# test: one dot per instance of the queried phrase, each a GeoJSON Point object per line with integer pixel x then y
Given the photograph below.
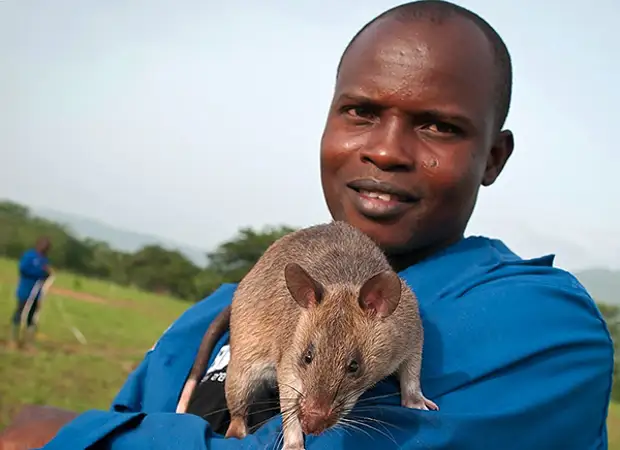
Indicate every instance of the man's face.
{"type": "Point", "coordinates": [43, 246]}
{"type": "Point", "coordinates": [411, 133]}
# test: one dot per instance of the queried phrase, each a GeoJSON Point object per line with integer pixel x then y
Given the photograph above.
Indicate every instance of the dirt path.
{"type": "Point", "coordinates": [83, 296]}
{"type": "Point", "coordinates": [115, 302]}
{"type": "Point", "coordinates": [122, 303]}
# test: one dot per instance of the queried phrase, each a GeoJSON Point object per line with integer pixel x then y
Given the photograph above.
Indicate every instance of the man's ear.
{"type": "Point", "coordinates": [498, 156]}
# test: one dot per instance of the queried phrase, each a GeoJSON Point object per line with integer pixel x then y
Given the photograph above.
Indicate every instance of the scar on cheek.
{"type": "Point", "coordinates": [431, 163]}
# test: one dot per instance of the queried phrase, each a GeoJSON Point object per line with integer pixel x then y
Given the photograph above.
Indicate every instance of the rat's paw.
{"type": "Point", "coordinates": [237, 428]}
{"type": "Point", "coordinates": [294, 447]}
{"type": "Point", "coordinates": [421, 402]}
{"type": "Point", "coordinates": [294, 444]}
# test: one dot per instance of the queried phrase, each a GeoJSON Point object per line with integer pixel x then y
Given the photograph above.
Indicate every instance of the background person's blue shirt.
{"type": "Point", "coordinates": [31, 271]}
{"type": "Point", "coordinates": [516, 356]}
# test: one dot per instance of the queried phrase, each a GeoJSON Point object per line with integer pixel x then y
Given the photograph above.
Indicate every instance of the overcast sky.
{"type": "Point", "coordinates": [191, 118]}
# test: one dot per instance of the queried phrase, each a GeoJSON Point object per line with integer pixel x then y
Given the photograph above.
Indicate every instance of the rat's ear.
{"type": "Point", "coordinates": [380, 294]}
{"type": "Point", "coordinates": [305, 290]}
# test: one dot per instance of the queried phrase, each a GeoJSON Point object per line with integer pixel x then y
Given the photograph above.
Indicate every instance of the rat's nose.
{"type": "Point", "coordinates": [314, 421]}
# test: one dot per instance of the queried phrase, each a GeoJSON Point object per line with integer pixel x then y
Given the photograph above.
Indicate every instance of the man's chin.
{"type": "Point", "coordinates": [389, 234]}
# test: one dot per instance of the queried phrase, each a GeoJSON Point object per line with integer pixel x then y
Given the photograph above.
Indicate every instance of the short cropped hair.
{"type": "Point", "coordinates": [438, 11]}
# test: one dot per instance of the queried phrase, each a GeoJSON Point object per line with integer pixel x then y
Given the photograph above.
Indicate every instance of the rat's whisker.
{"type": "Point", "coordinates": [289, 414]}
{"type": "Point", "coordinates": [384, 433]}
{"type": "Point", "coordinates": [293, 388]}
{"type": "Point", "coordinates": [376, 397]}
{"type": "Point", "coordinates": [353, 425]}
{"type": "Point", "coordinates": [261, 423]}
{"type": "Point", "coordinates": [341, 426]}
{"type": "Point", "coordinates": [275, 404]}
{"type": "Point", "coordinates": [260, 411]}
{"type": "Point", "coordinates": [278, 441]}
{"type": "Point", "coordinates": [381, 422]}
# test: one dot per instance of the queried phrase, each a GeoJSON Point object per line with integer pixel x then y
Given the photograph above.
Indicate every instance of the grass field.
{"type": "Point", "coordinates": [613, 427]}
{"type": "Point", "coordinates": [119, 324]}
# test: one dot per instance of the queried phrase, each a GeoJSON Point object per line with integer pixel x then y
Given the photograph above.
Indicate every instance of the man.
{"type": "Point", "coordinates": [34, 269]}
{"type": "Point", "coordinates": [516, 354]}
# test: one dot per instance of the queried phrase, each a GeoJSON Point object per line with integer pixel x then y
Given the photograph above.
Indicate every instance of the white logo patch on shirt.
{"type": "Point", "coordinates": [219, 363]}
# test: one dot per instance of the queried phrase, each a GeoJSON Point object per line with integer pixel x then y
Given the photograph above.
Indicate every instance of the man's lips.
{"type": "Point", "coordinates": [379, 199]}
{"type": "Point", "coordinates": [383, 190]}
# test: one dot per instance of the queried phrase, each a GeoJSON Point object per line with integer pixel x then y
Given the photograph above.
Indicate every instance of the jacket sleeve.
{"type": "Point", "coordinates": [129, 398]}
{"type": "Point", "coordinates": [524, 365]}
{"type": "Point", "coordinates": [125, 427]}
{"type": "Point", "coordinates": [33, 266]}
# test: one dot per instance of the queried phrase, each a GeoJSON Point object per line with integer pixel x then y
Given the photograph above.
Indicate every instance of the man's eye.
{"type": "Point", "coordinates": [443, 128]}
{"type": "Point", "coordinates": [363, 112]}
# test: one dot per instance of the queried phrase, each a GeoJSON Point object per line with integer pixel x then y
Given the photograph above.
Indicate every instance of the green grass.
{"type": "Point", "coordinates": [120, 325]}
{"type": "Point", "coordinates": [613, 427]}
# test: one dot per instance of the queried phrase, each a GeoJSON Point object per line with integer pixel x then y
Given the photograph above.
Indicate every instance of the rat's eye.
{"type": "Point", "coordinates": [353, 367]}
{"type": "Point", "coordinates": [308, 356]}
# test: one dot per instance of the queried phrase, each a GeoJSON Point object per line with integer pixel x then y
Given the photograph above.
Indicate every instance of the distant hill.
{"type": "Point", "coordinates": [118, 238]}
{"type": "Point", "coordinates": [602, 284]}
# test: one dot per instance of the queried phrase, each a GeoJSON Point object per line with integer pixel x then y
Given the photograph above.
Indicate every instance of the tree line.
{"type": "Point", "coordinates": [157, 269]}
{"type": "Point", "coordinates": [152, 268]}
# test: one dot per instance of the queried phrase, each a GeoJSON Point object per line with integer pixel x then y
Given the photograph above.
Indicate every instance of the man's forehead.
{"type": "Point", "coordinates": [418, 58]}
{"type": "Point", "coordinates": [397, 61]}
{"type": "Point", "coordinates": [454, 40]}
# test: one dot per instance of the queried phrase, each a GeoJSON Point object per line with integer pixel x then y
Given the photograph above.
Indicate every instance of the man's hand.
{"type": "Point", "coordinates": [34, 427]}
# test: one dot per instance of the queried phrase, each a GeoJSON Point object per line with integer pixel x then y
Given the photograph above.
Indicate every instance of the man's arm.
{"type": "Point", "coordinates": [523, 362]}
{"type": "Point", "coordinates": [524, 365]}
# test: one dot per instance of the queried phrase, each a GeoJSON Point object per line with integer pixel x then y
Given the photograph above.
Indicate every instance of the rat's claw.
{"type": "Point", "coordinates": [430, 405]}
{"type": "Point", "coordinates": [422, 403]}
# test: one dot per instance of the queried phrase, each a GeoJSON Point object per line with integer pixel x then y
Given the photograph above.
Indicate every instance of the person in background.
{"type": "Point", "coordinates": [516, 353]}
{"type": "Point", "coordinates": [34, 269]}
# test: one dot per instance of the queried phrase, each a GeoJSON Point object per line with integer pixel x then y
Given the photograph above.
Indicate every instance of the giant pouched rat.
{"type": "Point", "coordinates": [323, 316]}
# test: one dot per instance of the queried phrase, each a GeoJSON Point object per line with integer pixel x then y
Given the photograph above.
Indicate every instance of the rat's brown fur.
{"type": "Point", "coordinates": [271, 329]}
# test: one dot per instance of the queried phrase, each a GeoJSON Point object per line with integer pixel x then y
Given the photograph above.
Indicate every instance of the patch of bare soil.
{"type": "Point", "coordinates": [78, 295]}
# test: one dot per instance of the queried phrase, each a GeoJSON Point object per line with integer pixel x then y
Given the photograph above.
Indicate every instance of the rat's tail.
{"type": "Point", "coordinates": [212, 335]}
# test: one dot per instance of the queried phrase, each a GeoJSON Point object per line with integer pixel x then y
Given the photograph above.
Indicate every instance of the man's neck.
{"type": "Point", "coordinates": [402, 261]}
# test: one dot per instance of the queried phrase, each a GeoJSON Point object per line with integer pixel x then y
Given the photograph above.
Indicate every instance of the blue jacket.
{"type": "Point", "coordinates": [31, 272]}
{"type": "Point", "coordinates": [516, 355]}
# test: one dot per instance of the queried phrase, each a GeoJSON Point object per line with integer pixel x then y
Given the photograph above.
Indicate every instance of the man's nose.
{"type": "Point", "coordinates": [388, 148]}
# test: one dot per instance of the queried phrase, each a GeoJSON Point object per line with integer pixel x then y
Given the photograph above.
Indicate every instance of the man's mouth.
{"type": "Point", "coordinates": [379, 195]}
{"type": "Point", "coordinates": [378, 199]}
